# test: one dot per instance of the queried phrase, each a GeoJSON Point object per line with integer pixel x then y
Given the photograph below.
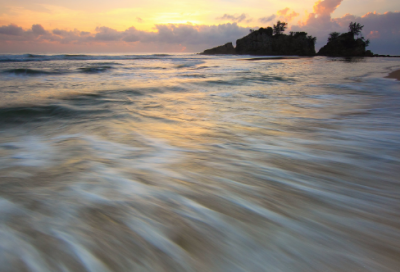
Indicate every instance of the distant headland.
{"type": "Point", "coordinates": [272, 41]}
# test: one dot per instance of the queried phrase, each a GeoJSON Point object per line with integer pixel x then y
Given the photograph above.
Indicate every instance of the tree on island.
{"type": "Point", "coordinates": [269, 41]}
{"type": "Point", "coordinates": [351, 43]}
{"type": "Point", "coordinates": [280, 27]}
{"type": "Point", "coordinates": [355, 28]}
{"type": "Point", "coordinates": [333, 36]}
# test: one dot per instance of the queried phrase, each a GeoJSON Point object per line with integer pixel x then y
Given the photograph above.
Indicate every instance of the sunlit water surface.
{"type": "Point", "coordinates": [194, 163]}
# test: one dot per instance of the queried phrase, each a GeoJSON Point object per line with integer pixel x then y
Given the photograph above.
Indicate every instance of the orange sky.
{"type": "Point", "coordinates": [149, 16]}
{"type": "Point", "coordinates": [86, 15]}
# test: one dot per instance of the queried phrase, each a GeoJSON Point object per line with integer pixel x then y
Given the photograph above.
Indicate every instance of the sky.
{"type": "Point", "coordinates": [132, 26]}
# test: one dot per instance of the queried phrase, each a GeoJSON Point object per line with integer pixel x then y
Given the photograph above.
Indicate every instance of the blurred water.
{"type": "Point", "coordinates": [196, 163]}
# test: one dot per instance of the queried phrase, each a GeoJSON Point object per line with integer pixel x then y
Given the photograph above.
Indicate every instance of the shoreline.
{"type": "Point", "coordinates": [394, 74]}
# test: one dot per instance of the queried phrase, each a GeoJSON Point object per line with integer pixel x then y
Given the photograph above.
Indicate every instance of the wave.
{"type": "Point", "coordinates": [190, 63]}
{"type": "Point", "coordinates": [75, 56]}
{"type": "Point", "coordinates": [95, 69]}
{"type": "Point", "coordinates": [21, 114]}
{"type": "Point", "coordinates": [38, 72]}
{"type": "Point", "coordinates": [31, 72]}
{"type": "Point", "coordinates": [32, 57]}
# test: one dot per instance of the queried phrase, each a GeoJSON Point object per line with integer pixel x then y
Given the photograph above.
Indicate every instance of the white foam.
{"type": "Point", "coordinates": [87, 259]}
{"type": "Point", "coordinates": [31, 151]}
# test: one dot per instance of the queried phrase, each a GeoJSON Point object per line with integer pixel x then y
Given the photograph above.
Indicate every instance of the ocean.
{"type": "Point", "coordinates": [184, 162]}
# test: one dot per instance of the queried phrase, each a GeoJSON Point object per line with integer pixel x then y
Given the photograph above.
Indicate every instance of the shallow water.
{"type": "Point", "coordinates": [196, 163]}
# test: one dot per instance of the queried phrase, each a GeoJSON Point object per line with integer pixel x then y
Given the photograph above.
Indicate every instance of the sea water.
{"type": "Point", "coordinates": [198, 163]}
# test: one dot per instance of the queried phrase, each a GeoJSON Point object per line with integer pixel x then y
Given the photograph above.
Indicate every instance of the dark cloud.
{"type": "Point", "coordinates": [382, 29]}
{"type": "Point", "coordinates": [107, 34]}
{"type": "Point", "coordinates": [66, 37]}
{"type": "Point", "coordinates": [267, 19]}
{"type": "Point", "coordinates": [65, 33]}
{"type": "Point", "coordinates": [11, 30]}
{"type": "Point", "coordinates": [194, 37]}
{"type": "Point", "coordinates": [233, 18]}
{"type": "Point", "coordinates": [132, 35]}
{"type": "Point", "coordinates": [38, 30]}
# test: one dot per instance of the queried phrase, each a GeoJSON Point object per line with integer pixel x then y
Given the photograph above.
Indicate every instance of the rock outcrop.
{"type": "Point", "coordinates": [345, 45]}
{"type": "Point", "coordinates": [263, 42]}
{"type": "Point", "coordinates": [219, 50]}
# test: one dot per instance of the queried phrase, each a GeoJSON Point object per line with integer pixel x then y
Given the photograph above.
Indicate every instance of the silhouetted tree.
{"type": "Point", "coordinates": [252, 30]}
{"type": "Point", "coordinates": [333, 36]}
{"type": "Point", "coordinates": [366, 41]}
{"type": "Point", "coordinates": [269, 31]}
{"type": "Point", "coordinates": [280, 27]}
{"type": "Point", "coordinates": [355, 28]}
{"type": "Point", "coordinates": [312, 39]}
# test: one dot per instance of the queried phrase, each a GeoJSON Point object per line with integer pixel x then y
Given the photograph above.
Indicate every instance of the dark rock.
{"type": "Point", "coordinates": [345, 46]}
{"type": "Point", "coordinates": [268, 31]}
{"type": "Point", "coordinates": [368, 53]}
{"type": "Point", "coordinates": [219, 50]}
{"type": "Point", "coordinates": [263, 42]}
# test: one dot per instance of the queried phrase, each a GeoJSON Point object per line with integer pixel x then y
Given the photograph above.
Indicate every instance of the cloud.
{"type": "Point", "coordinates": [191, 35]}
{"type": "Point", "coordinates": [283, 15]}
{"type": "Point", "coordinates": [321, 15]}
{"type": "Point", "coordinates": [139, 20]}
{"type": "Point", "coordinates": [374, 34]}
{"type": "Point", "coordinates": [38, 30]}
{"type": "Point", "coordinates": [319, 23]}
{"type": "Point", "coordinates": [283, 12]}
{"type": "Point", "coordinates": [267, 19]}
{"type": "Point", "coordinates": [286, 15]}
{"type": "Point", "coordinates": [326, 7]}
{"type": "Point", "coordinates": [132, 35]}
{"type": "Point", "coordinates": [11, 30]}
{"type": "Point", "coordinates": [107, 34]}
{"type": "Point", "coordinates": [194, 38]}
{"type": "Point", "coordinates": [66, 37]}
{"type": "Point", "coordinates": [233, 18]}
{"type": "Point", "coordinates": [382, 29]}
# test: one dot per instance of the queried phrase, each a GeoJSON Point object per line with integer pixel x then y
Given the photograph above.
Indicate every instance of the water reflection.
{"type": "Point", "coordinates": [249, 166]}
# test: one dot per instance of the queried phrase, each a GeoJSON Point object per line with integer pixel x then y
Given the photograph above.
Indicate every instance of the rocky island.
{"type": "Point", "coordinates": [346, 45]}
{"type": "Point", "coordinates": [272, 41]}
{"type": "Point", "coordinates": [269, 41]}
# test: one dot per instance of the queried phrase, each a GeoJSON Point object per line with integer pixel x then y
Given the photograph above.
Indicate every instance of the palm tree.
{"type": "Point", "coordinates": [333, 36]}
{"type": "Point", "coordinates": [355, 28]}
{"type": "Point", "coordinates": [280, 27]}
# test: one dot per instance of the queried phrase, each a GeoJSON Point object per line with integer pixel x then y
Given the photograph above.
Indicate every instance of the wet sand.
{"type": "Point", "coordinates": [395, 74]}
